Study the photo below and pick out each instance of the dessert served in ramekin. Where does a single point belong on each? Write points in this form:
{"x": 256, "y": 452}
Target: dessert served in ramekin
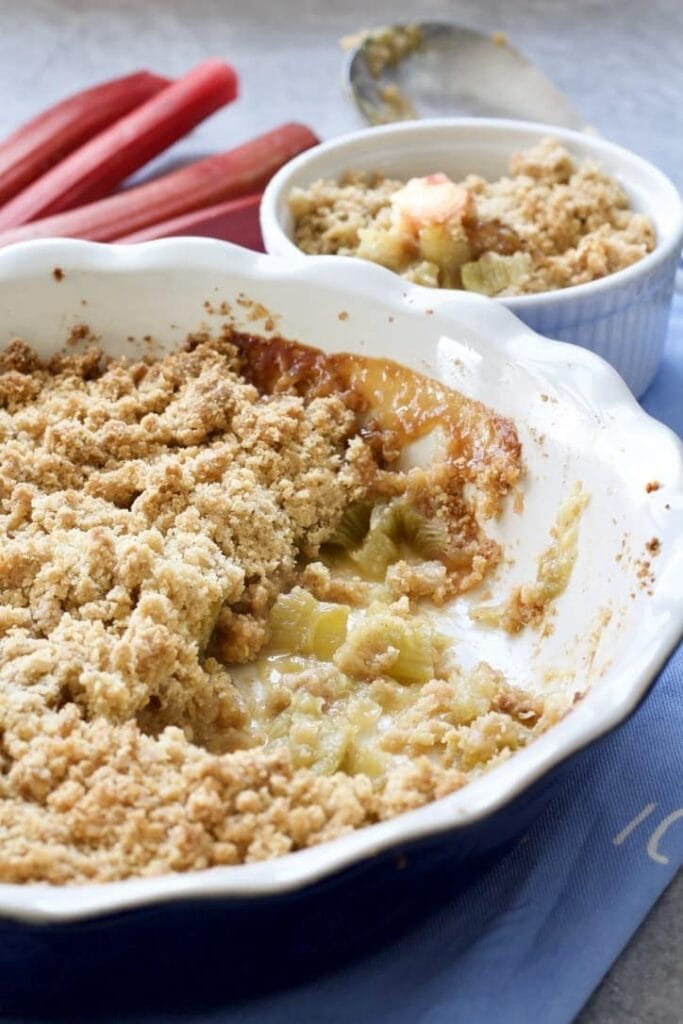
{"x": 579, "y": 237}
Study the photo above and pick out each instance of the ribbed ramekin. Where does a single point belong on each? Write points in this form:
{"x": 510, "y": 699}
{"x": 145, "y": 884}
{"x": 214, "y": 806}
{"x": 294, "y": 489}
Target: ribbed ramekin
{"x": 622, "y": 317}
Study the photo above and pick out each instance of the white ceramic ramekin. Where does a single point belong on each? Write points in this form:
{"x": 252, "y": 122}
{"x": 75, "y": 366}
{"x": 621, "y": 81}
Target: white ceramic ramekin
{"x": 622, "y": 317}
{"x": 576, "y": 420}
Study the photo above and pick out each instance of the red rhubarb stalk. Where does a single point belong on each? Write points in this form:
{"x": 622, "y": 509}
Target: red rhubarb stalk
{"x": 233, "y": 221}
{"x": 44, "y": 141}
{"x": 110, "y": 157}
{"x": 238, "y": 172}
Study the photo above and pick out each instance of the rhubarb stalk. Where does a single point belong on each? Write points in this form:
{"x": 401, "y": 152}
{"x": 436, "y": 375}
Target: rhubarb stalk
{"x": 48, "y": 138}
{"x": 233, "y": 221}
{"x": 238, "y": 172}
{"x": 110, "y": 157}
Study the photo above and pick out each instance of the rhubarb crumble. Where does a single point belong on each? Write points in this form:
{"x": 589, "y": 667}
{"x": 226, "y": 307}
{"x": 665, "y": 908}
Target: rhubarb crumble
{"x": 217, "y": 578}
{"x": 550, "y": 223}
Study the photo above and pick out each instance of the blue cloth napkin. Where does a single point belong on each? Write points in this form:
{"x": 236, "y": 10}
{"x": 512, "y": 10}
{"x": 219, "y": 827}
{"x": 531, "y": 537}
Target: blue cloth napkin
{"x": 525, "y": 936}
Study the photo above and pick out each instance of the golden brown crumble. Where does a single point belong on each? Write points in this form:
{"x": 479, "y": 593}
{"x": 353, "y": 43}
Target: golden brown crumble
{"x": 155, "y": 519}
{"x": 550, "y": 223}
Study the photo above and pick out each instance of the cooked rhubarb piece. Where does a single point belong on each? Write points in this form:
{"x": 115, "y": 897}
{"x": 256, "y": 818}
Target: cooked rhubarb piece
{"x": 110, "y": 157}
{"x": 44, "y": 141}
{"x": 239, "y": 172}
{"x": 233, "y": 221}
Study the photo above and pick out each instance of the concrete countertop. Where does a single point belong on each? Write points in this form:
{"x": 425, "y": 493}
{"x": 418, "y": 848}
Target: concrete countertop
{"x": 618, "y": 61}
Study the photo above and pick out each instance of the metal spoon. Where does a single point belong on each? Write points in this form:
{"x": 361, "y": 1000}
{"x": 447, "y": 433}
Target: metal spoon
{"x": 450, "y": 70}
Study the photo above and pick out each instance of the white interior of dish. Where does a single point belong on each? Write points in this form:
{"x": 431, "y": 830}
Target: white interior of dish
{"x": 592, "y": 430}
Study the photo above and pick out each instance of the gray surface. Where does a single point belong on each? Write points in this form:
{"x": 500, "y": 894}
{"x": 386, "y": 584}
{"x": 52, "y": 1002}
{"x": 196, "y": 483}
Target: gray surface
{"x": 620, "y": 63}
{"x": 645, "y": 986}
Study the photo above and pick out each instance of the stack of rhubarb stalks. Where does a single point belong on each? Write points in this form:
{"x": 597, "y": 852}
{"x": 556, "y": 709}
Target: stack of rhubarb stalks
{"x": 59, "y": 172}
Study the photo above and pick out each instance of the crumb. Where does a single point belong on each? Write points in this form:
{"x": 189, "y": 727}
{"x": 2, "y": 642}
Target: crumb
{"x": 58, "y": 274}
{"x": 258, "y": 312}
{"x": 343, "y": 315}
{"x": 319, "y": 581}
{"x": 79, "y": 333}
{"x": 653, "y": 485}
{"x": 395, "y": 106}
{"x": 644, "y": 572}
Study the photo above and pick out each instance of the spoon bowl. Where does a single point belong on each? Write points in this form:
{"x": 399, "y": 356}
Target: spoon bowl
{"x": 446, "y": 70}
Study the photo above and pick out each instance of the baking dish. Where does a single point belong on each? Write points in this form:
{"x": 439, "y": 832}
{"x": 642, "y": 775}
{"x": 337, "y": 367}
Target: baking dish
{"x": 622, "y": 317}
{"x": 615, "y": 624}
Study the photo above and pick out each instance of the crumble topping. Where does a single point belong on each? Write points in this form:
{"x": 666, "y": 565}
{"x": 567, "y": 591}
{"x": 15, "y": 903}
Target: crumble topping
{"x": 163, "y": 526}
{"x": 550, "y": 223}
